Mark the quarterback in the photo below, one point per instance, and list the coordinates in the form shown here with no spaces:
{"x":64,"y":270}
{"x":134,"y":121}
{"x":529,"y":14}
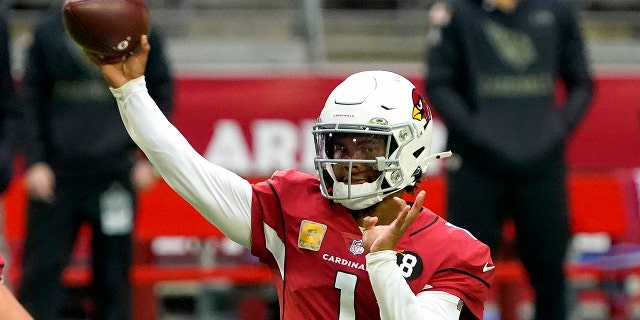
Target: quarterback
{"x":341,"y":244}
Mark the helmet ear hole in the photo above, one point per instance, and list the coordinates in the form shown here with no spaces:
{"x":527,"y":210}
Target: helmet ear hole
{"x":393,"y":146}
{"x":418,"y":152}
{"x":384,"y":184}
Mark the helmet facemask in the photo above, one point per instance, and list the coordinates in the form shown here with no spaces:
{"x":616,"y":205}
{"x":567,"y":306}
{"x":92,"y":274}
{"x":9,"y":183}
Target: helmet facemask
{"x":392,"y":176}
{"x":380,"y":105}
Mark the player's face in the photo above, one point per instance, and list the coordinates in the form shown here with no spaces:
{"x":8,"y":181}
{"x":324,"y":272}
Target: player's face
{"x":351,"y":146}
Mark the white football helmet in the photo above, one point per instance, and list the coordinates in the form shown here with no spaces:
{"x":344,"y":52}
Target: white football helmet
{"x":374,"y":103}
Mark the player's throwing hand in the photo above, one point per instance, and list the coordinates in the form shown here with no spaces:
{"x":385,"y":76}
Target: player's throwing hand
{"x":130,"y":67}
{"x":377,"y":238}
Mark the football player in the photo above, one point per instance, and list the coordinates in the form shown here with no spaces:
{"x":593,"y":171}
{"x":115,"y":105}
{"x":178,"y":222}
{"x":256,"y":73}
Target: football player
{"x":342,"y":244}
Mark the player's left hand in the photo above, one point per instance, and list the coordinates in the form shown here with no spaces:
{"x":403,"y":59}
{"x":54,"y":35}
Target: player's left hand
{"x":377,"y":238}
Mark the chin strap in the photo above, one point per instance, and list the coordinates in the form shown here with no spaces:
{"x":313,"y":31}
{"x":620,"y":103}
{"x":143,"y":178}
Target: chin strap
{"x":342,"y":189}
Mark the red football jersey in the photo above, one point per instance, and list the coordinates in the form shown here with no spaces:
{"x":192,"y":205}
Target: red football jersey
{"x":313,"y":246}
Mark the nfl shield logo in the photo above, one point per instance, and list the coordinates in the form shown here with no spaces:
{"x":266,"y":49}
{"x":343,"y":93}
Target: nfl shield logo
{"x":356,"y":247}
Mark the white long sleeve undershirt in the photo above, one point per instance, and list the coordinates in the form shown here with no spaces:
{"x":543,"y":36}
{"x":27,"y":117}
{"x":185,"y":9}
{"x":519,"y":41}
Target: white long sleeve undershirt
{"x":220,"y":195}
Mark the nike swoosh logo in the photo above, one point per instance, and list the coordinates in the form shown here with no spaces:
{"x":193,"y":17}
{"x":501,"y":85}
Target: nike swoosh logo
{"x":487,"y":267}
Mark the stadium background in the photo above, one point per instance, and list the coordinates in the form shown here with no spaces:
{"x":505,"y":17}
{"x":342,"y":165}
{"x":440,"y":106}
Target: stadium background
{"x":251,"y":75}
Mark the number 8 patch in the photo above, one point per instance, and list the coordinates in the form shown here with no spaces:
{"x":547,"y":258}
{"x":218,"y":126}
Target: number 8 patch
{"x":410,"y":264}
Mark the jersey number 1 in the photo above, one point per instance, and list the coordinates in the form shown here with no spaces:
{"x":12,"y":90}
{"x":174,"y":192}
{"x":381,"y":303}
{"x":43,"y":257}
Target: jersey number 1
{"x":346,"y":283}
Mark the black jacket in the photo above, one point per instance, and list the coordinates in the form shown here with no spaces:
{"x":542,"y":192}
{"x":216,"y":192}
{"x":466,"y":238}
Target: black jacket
{"x":492,"y":78}
{"x":72,"y":121}
{"x":7,"y":117}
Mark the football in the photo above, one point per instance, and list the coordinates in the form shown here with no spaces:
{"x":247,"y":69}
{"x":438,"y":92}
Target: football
{"x":109,"y":28}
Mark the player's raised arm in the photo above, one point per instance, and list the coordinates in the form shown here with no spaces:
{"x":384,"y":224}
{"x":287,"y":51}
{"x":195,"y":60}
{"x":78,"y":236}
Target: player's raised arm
{"x":219,"y":195}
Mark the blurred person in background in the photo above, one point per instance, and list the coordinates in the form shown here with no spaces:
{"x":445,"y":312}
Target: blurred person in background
{"x":10,"y":308}
{"x":82,"y":167}
{"x":8,"y":126}
{"x":492,"y":71}
{"x":7,"y":114}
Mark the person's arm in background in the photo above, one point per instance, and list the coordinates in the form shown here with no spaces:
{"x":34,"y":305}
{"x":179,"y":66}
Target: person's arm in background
{"x":444,"y":66}
{"x":574,"y":70}
{"x":446,"y":85}
{"x":34,"y":95}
